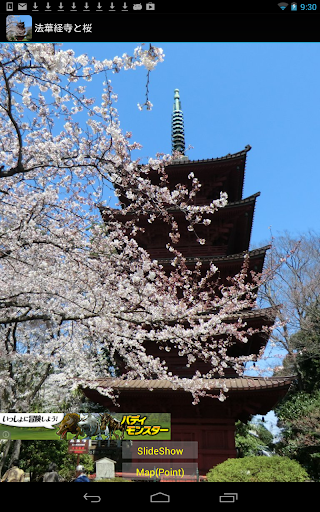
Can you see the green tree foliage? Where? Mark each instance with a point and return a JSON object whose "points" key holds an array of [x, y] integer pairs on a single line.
{"points": [[306, 343], [252, 438], [35, 456], [299, 411], [258, 469], [299, 416]]}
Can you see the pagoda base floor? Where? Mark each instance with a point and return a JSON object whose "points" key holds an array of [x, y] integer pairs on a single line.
{"points": [[208, 423]]}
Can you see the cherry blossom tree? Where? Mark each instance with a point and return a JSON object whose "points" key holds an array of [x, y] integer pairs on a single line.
{"points": [[73, 287]]}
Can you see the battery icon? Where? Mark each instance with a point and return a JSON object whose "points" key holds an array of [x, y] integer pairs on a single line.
{"points": [[294, 6], [228, 497]]}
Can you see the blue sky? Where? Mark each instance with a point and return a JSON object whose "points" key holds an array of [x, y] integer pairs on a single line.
{"points": [[234, 94]]}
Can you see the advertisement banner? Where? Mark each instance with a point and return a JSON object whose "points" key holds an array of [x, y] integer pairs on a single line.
{"points": [[96, 426]]}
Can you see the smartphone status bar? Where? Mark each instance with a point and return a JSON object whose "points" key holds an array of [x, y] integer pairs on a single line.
{"points": [[83, 7], [163, 6]]}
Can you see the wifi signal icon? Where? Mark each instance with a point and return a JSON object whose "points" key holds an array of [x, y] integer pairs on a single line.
{"points": [[283, 5]]}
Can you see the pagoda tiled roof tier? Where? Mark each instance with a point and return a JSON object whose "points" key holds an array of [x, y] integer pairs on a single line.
{"points": [[233, 384], [226, 172], [257, 341], [254, 318], [256, 257], [229, 205], [228, 233], [233, 204], [229, 156], [265, 313], [246, 396]]}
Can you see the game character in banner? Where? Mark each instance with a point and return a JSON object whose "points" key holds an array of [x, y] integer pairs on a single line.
{"points": [[70, 423]]}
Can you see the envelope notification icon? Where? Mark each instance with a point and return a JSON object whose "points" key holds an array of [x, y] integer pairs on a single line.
{"points": [[22, 6]]}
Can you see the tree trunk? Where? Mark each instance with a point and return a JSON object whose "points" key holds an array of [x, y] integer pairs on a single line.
{"points": [[15, 455], [5, 452]]}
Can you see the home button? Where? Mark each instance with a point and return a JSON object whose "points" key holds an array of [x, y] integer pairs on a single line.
{"points": [[159, 497]]}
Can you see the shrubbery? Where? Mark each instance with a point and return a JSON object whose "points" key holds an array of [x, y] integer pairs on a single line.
{"points": [[258, 469]]}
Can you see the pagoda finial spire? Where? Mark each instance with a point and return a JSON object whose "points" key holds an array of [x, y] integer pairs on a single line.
{"points": [[177, 126]]}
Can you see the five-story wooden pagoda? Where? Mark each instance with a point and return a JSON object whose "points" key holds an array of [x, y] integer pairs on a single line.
{"points": [[211, 422]]}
